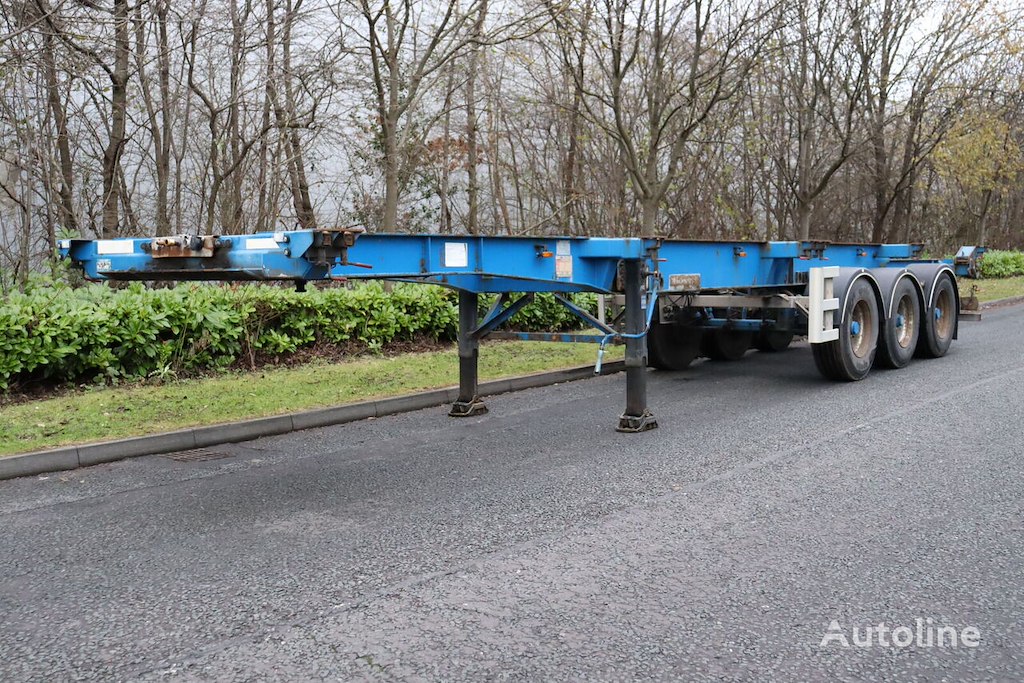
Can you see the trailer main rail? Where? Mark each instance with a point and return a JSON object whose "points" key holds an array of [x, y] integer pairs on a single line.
{"points": [[859, 304]]}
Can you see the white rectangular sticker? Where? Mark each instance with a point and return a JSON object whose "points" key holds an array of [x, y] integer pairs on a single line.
{"points": [[563, 259], [261, 243], [115, 247], [103, 264], [456, 255]]}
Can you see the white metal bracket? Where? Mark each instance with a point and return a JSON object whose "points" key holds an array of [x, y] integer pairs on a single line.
{"points": [[822, 305]]}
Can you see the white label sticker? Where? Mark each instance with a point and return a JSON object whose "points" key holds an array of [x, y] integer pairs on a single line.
{"points": [[563, 259], [261, 243], [456, 255], [563, 266], [103, 264], [115, 247]]}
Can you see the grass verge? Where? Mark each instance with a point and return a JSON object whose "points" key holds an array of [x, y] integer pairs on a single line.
{"points": [[111, 413], [996, 288], [116, 412]]}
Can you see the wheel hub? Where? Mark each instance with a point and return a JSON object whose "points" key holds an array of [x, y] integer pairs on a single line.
{"points": [[862, 330], [906, 321], [944, 324]]}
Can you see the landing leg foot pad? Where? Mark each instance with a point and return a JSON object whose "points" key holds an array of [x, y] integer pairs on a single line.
{"points": [[467, 408], [637, 423]]}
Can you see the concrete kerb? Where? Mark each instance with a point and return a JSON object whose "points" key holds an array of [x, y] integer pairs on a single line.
{"points": [[109, 451], [71, 457], [1008, 301], [325, 417], [39, 462]]}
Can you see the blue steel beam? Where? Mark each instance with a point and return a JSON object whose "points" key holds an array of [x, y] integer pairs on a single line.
{"points": [[480, 264]]}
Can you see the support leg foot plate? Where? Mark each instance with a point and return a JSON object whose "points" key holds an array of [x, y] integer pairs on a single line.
{"points": [[467, 408], [637, 423]]}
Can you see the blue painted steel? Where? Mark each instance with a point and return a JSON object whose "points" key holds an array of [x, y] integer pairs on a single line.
{"points": [[584, 315], [500, 313], [552, 337], [484, 264], [739, 324]]}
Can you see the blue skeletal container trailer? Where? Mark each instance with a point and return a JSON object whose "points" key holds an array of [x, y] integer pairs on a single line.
{"points": [[860, 305]]}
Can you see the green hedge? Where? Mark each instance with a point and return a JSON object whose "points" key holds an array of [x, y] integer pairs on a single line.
{"points": [[996, 263], [97, 332]]}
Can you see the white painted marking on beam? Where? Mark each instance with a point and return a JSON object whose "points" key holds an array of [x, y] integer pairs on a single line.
{"points": [[456, 255], [261, 243], [115, 247]]}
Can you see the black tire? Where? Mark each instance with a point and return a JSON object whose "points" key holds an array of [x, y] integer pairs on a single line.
{"points": [[723, 344], [672, 346], [773, 341], [850, 357], [940, 320], [902, 329]]}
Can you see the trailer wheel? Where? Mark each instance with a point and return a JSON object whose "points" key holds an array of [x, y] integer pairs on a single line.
{"points": [[939, 321], [902, 328], [723, 344], [672, 346], [849, 358], [773, 341]]}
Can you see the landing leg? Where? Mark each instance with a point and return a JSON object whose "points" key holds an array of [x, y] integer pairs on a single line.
{"points": [[637, 417], [469, 402]]}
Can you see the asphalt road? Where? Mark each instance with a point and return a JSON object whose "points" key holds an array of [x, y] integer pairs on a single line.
{"points": [[536, 543]]}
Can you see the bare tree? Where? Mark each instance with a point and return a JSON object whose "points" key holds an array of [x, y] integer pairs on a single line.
{"points": [[663, 69], [907, 68], [159, 113], [405, 45], [819, 82]]}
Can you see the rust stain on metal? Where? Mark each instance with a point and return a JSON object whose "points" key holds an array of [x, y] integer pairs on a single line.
{"points": [[183, 246]]}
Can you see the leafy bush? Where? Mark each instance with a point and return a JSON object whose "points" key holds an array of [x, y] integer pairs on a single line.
{"points": [[97, 332], [996, 263]]}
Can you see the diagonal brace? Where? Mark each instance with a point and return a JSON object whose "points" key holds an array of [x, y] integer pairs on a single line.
{"points": [[584, 315], [500, 313]]}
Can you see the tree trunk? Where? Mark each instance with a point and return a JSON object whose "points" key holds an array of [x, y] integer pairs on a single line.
{"points": [[803, 219], [649, 215], [231, 203], [301, 200], [163, 152], [118, 116], [389, 219], [445, 150], [499, 204], [880, 182], [68, 221], [472, 150], [159, 123], [472, 153]]}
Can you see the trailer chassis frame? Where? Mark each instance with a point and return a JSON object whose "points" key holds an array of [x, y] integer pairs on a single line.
{"points": [[653, 275]]}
